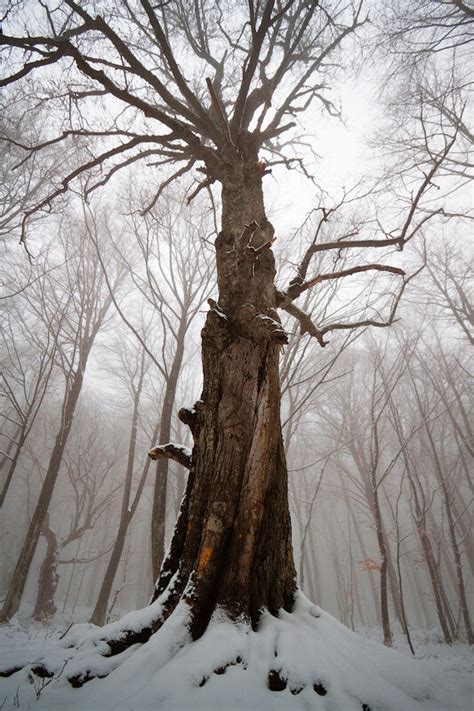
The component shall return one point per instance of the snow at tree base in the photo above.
(301, 660)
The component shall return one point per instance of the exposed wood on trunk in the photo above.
(225, 550)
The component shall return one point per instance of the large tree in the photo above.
(215, 87)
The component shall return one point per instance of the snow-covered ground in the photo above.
(314, 661)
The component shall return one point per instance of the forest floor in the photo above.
(317, 664)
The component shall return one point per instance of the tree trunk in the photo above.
(127, 509)
(18, 582)
(72, 575)
(382, 542)
(307, 525)
(48, 577)
(5, 455)
(312, 572)
(158, 518)
(420, 521)
(13, 465)
(100, 609)
(365, 556)
(232, 543)
(464, 531)
(453, 539)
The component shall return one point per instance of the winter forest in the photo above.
(236, 324)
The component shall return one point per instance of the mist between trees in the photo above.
(377, 430)
(352, 327)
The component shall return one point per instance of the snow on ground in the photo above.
(322, 665)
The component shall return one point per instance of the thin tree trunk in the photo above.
(158, 518)
(417, 497)
(384, 611)
(368, 473)
(405, 626)
(453, 540)
(365, 556)
(127, 510)
(29, 414)
(100, 609)
(361, 543)
(78, 589)
(48, 578)
(393, 583)
(5, 456)
(400, 595)
(12, 467)
(312, 569)
(419, 600)
(72, 574)
(379, 527)
(465, 531)
(308, 523)
(420, 519)
(18, 582)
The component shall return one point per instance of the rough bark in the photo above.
(231, 547)
(232, 543)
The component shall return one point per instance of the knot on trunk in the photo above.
(248, 322)
(191, 418)
(260, 325)
(217, 329)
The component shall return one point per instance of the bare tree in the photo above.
(448, 286)
(264, 63)
(174, 278)
(29, 358)
(89, 303)
(87, 472)
(429, 47)
(421, 505)
(135, 370)
(442, 473)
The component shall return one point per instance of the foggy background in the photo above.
(100, 339)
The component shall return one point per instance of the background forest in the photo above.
(100, 338)
(99, 352)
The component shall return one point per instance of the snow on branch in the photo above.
(177, 452)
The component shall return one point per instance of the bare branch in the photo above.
(295, 289)
(306, 324)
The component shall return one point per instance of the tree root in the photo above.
(9, 671)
